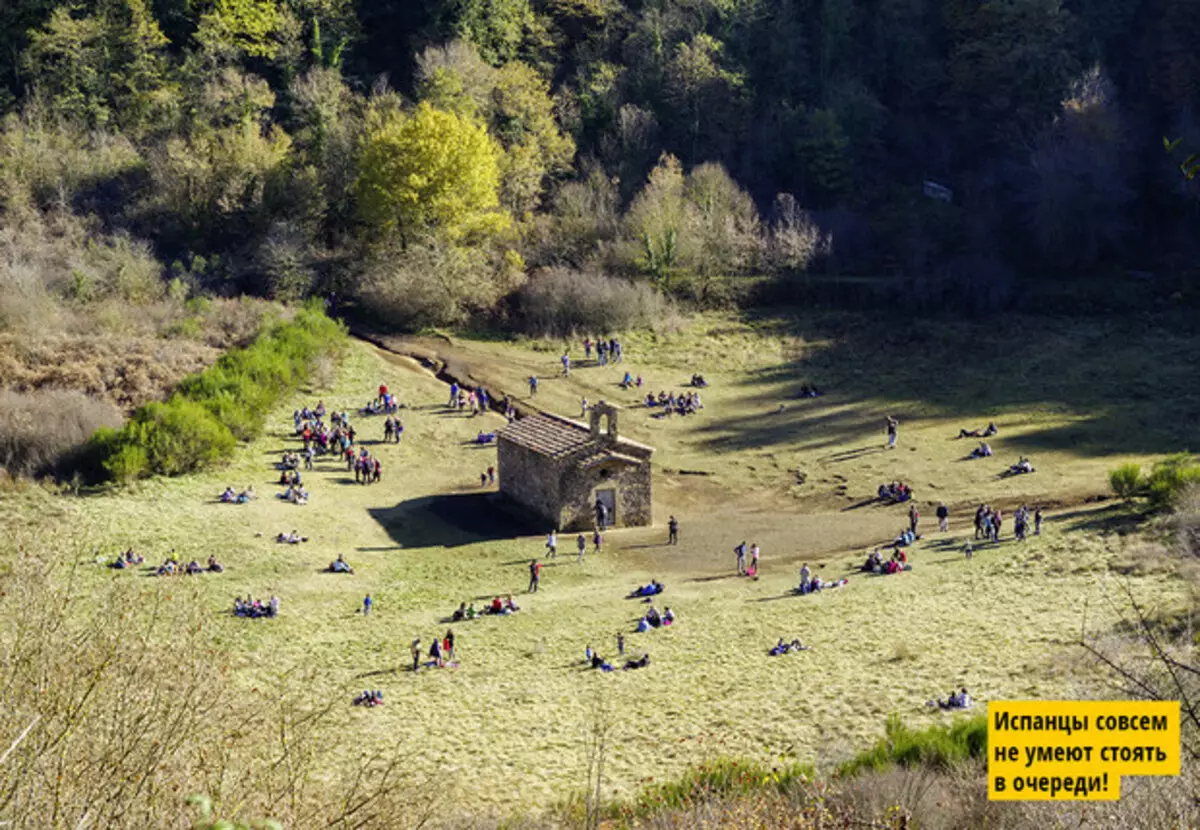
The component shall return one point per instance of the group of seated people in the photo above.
(369, 698)
(340, 566)
(598, 662)
(905, 538)
(294, 495)
(987, 432)
(813, 584)
(955, 700)
(984, 450)
(629, 381)
(171, 567)
(895, 564)
(255, 607)
(683, 404)
(498, 606)
(290, 477)
(807, 391)
(289, 461)
(787, 648)
(384, 404)
(292, 538)
(897, 492)
(655, 620)
(654, 588)
(698, 381)
(127, 560)
(230, 497)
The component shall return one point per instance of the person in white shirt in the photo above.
(552, 543)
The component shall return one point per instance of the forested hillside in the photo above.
(428, 158)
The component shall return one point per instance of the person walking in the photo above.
(754, 558)
(673, 531)
(581, 544)
(620, 644)
(367, 603)
(893, 427)
(943, 516)
(914, 516)
(597, 540)
(566, 364)
(533, 385)
(1037, 521)
(535, 573)
(740, 551)
(552, 543)
(416, 654)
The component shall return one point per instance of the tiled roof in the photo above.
(548, 434)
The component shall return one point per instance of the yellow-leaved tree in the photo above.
(430, 172)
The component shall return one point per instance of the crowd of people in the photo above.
(441, 653)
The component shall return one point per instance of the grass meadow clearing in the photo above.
(504, 733)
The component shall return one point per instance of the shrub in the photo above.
(42, 430)
(1170, 478)
(560, 301)
(201, 423)
(178, 436)
(1126, 480)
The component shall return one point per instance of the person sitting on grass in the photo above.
(637, 664)
(510, 607)
(460, 613)
(193, 568)
(698, 381)
(214, 566)
(485, 437)
(246, 495)
(874, 560)
(668, 616)
(955, 700)
(787, 648)
(1022, 466)
(497, 606)
(654, 588)
(471, 613)
(982, 451)
(292, 538)
(626, 381)
(598, 662)
(653, 618)
(906, 538)
(340, 565)
(166, 568)
(228, 497)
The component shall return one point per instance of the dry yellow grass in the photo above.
(504, 732)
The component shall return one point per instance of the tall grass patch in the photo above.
(41, 430)
(938, 747)
(209, 412)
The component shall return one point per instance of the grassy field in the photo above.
(505, 731)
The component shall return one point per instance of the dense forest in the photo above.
(434, 159)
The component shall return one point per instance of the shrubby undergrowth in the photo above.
(209, 412)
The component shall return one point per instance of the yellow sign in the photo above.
(1077, 750)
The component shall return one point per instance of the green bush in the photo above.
(201, 423)
(1126, 480)
(939, 746)
(1170, 477)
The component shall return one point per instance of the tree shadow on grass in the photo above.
(451, 520)
(1108, 385)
